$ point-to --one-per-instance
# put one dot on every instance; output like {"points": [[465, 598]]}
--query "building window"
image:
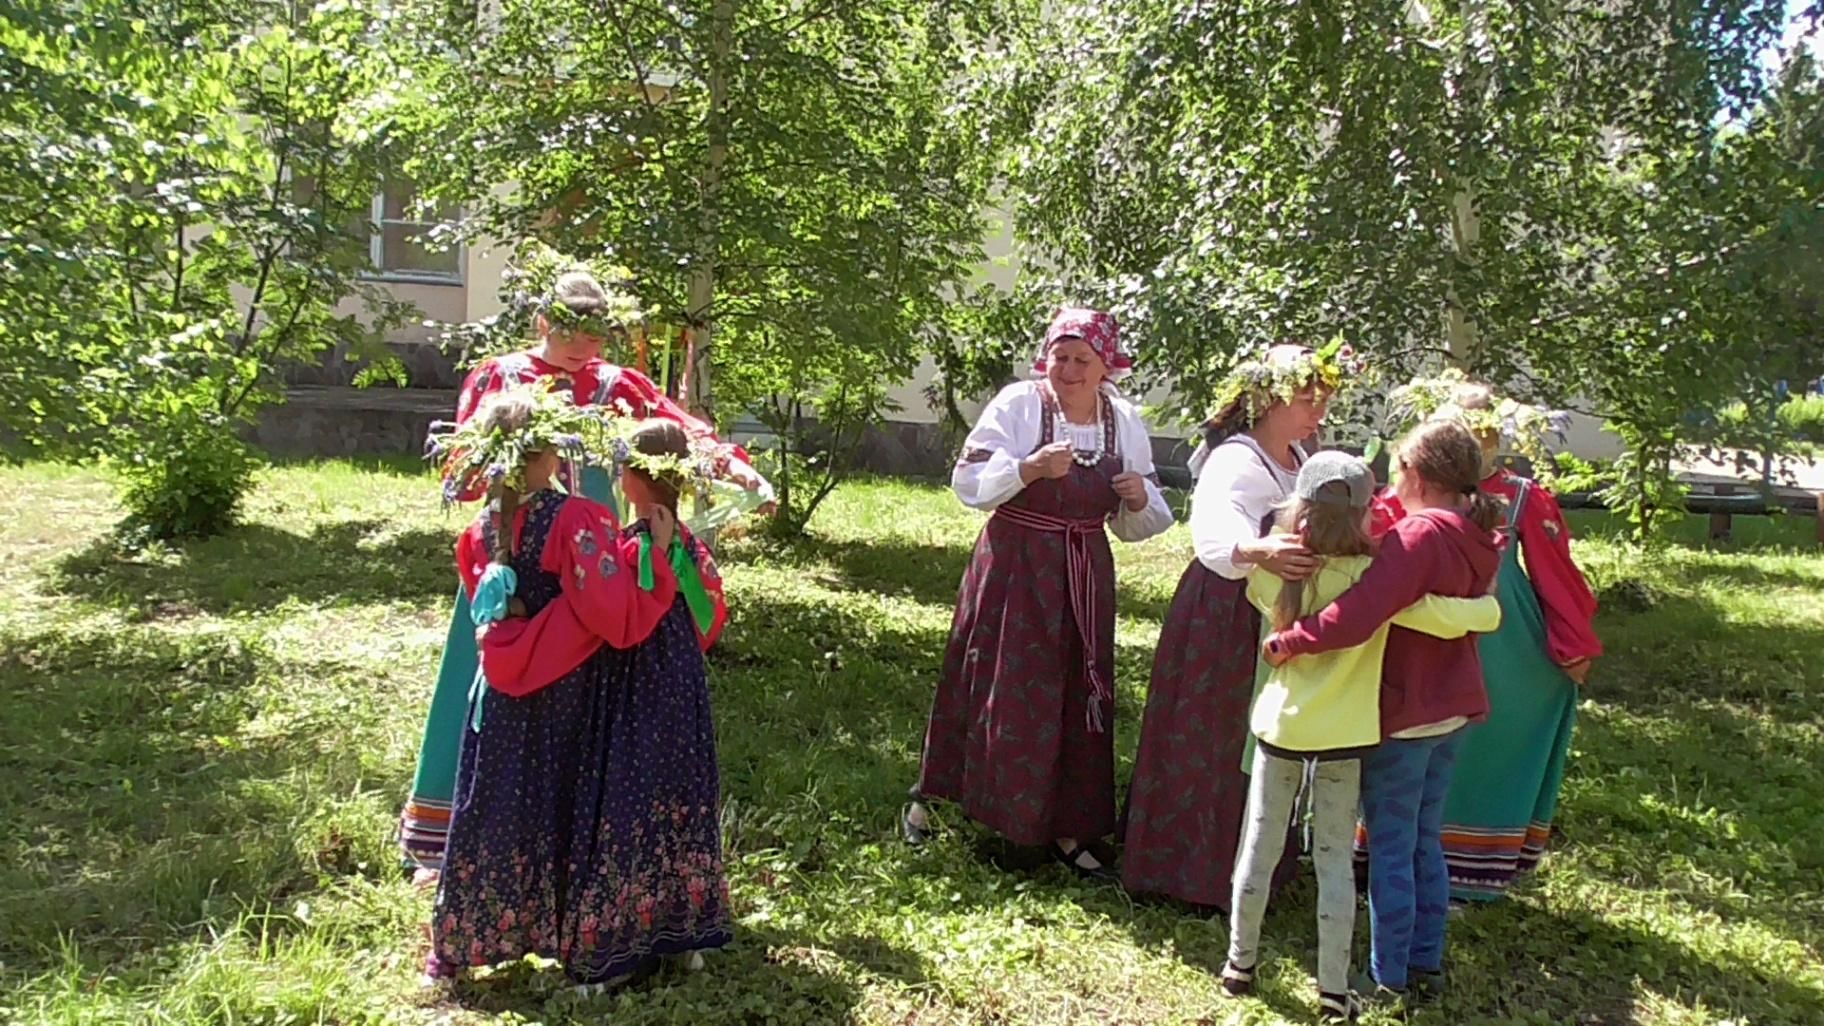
{"points": [[404, 241]]}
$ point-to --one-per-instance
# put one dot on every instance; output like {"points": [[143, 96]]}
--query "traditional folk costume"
{"points": [[1498, 819], [586, 826], [1190, 792], [425, 822], [1185, 807], [1021, 733]]}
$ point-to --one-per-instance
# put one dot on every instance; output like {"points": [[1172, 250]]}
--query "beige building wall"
{"points": [[477, 296]]}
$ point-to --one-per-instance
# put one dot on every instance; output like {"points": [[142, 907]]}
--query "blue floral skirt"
{"points": [[586, 824]]}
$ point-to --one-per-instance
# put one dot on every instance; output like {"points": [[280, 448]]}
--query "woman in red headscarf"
{"points": [[1021, 734]]}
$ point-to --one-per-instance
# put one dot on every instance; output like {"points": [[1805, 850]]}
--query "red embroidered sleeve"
{"points": [[646, 400], [1564, 594], [602, 603]]}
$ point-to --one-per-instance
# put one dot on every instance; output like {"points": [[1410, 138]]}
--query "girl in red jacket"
{"points": [[1431, 689], [1504, 795]]}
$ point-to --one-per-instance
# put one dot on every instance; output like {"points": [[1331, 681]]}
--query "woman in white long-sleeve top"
{"points": [[1184, 811], [1021, 734]]}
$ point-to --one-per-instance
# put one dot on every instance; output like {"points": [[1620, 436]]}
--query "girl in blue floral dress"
{"points": [[585, 826]]}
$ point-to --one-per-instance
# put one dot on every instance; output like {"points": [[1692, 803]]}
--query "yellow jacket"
{"points": [[1330, 701]]}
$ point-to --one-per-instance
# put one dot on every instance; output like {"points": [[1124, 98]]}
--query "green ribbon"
{"points": [[702, 607]]}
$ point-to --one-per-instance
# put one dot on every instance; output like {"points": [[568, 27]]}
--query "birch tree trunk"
{"points": [[700, 356]]}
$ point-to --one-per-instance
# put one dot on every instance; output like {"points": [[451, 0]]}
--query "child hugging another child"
{"points": [[1430, 689], [1315, 718], [585, 823]]}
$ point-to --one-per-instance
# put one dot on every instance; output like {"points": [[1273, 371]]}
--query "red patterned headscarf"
{"points": [[1094, 328]]}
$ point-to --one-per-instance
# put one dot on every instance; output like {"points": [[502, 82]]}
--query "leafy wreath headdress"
{"points": [[620, 312], [1259, 382], [1529, 429], [479, 449]]}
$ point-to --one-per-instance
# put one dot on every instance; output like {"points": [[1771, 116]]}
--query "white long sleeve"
{"points": [[988, 473], [1136, 448], [1235, 492]]}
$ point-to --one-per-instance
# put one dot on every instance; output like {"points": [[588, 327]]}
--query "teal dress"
{"points": [[1498, 817], [424, 828]]}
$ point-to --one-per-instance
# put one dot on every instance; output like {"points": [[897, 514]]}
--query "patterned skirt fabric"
{"points": [[1009, 737], [1185, 809], [586, 824]]}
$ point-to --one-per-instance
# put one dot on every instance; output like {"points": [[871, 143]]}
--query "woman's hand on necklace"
{"points": [[1052, 461]]}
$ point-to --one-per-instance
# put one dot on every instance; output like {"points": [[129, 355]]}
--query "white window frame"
{"points": [[376, 252]]}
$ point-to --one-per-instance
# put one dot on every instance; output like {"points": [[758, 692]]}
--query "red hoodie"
{"points": [[1424, 679]]}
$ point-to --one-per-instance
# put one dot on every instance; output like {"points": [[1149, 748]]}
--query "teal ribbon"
{"points": [[690, 584], [497, 585]]}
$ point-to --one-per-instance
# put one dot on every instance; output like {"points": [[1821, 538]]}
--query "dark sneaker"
{"points": [[1338, 1007], [1426, 986]]}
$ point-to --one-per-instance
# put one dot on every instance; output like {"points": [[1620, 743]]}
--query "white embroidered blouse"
{"points": [[1009, 431]]}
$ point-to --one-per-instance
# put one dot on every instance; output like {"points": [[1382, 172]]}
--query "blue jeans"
{"points": [[1404, 784]]}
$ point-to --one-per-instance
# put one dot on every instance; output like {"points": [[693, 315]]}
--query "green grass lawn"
{"points": [[202, 753]]}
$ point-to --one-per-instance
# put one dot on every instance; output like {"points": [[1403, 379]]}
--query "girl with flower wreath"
{"points": [[1498, 818], [586, 824], [574, 323], [1185, 809], [1021, 733]]}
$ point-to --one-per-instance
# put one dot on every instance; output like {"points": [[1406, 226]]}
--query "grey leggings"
{"points": [[1272, 791]]}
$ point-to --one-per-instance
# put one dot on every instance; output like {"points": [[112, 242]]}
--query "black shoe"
{"points": [[1236, 981], [913, 833], [1424, 985], [1345, 1007], [1073, 859], [1370, 994]]}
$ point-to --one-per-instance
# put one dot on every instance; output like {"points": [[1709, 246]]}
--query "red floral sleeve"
{"points": [[639, 392], [600, 572], [1564, 595], [602, 603]]}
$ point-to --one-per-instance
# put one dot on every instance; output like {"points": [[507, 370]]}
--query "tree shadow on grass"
{"points": [[255, 567], [1694, 802], [130, 809], [1527, 963], [761, 977], [766, 975], [1751, 533]]}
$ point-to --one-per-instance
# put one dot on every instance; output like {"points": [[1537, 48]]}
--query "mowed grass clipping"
{"points": [[204, 750]]}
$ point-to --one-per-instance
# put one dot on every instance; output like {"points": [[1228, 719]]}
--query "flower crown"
{"points": [[694, 474], [476, 449], [1531, 430], [1261, 383]]}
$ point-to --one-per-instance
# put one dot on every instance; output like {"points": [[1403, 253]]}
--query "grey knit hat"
{"points": [[1329, 467]]}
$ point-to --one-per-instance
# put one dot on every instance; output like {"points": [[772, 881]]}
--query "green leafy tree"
{"points": [[187, 189], [781, 178], [1538, 192]]}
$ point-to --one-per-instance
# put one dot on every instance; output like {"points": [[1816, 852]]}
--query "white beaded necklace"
{"points": [[1083, 457]]}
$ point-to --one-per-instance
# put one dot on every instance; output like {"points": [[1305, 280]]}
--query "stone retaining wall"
{"points": [[342, 421]]}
